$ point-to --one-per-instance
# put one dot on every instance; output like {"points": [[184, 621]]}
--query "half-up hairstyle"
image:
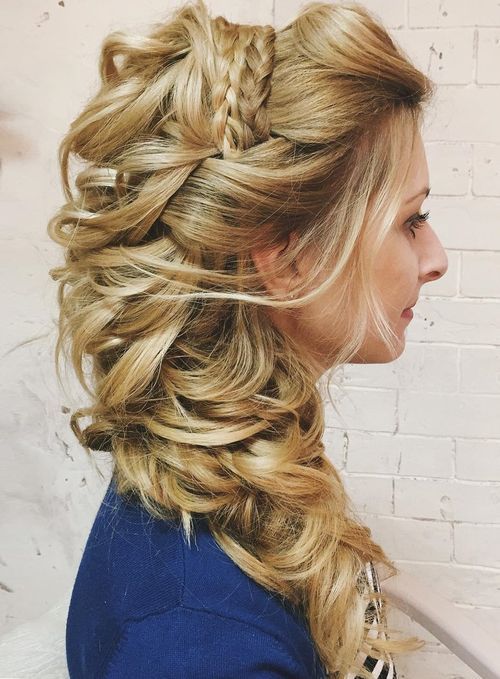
{"points": [[205, 140]]}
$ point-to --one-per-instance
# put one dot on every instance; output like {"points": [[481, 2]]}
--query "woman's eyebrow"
{"points": [[425, 190]]}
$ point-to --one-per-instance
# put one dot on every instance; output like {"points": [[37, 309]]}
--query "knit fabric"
{"points": [[146, 604]]}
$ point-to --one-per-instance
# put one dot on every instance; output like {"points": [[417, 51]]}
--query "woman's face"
{"points": [[409, 258]]}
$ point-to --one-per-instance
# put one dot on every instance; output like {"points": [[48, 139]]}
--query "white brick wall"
{"points": [[417, 441], [478, 459], [447, 53], [480, 274], [452, 168], [486, 174], [477, 545], [488, 56], [444, 13]]}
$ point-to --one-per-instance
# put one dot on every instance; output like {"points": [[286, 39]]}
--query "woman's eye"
{"points": [[417, 221]]}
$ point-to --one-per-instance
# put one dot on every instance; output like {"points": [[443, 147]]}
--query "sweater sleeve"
{"points": [[198, 644]]}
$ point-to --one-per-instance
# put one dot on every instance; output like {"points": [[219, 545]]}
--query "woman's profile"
{"points": [[245, 219]]}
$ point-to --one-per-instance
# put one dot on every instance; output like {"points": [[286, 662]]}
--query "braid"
{"points": [[244, 64]]}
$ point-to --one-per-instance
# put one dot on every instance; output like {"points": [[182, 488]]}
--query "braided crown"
{"points": [[243, 67]]}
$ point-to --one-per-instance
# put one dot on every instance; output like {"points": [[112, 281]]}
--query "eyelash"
{"points": [[417, 221]]}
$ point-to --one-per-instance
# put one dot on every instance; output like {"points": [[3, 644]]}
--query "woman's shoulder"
{"points": [[131, 563], [142, 565], [131, 566], [138, 574]]}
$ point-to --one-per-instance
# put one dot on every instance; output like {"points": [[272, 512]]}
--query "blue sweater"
{"points": [[145, 605]]}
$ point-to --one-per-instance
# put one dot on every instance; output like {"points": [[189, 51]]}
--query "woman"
{"points": [[246, 221]]}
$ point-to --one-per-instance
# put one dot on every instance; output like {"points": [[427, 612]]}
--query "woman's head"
{"points": [[403, 264], [209, 148]]}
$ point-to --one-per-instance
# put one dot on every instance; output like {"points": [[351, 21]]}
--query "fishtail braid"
{"points": [[243, 66]]}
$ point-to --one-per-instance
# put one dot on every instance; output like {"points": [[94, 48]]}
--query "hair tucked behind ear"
{"points": [[205, 140]]}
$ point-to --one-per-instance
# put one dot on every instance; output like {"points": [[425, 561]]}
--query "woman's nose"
{"points": [[434, 261]]}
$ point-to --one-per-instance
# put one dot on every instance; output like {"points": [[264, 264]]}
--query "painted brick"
{"points": [[428, 367], [34, 280], [426, 456], [477, 545], [467, 113], [488, 56], [370, 494], [435, 664], [382, 375], [450, 167], [398, 454], [465, 224], [362, 409], [486, 170], [445, 55], [372, 453], [391, 13], [335, 445], [420, 366], [459, 321], [257, 11], [453, 13], [480, 370], [480, 274], [469, 585], [465, 415], [449, 500], [477, 460], [412, 538]]}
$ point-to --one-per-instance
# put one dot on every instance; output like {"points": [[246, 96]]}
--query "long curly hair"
{"points": [[205, 140]]}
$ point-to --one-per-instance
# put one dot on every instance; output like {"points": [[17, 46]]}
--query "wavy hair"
{"points": [[207, 139]]}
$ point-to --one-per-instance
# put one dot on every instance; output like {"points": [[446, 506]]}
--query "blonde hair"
{"points": [[205, 140]]}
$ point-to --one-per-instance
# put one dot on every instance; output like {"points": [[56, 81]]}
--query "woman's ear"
{"points": [[267, 263]]}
